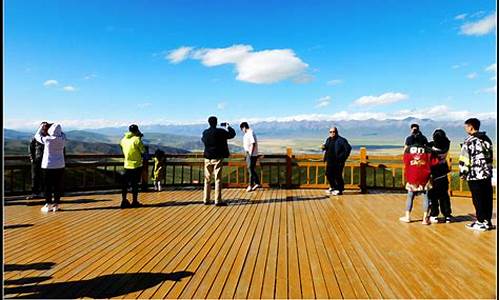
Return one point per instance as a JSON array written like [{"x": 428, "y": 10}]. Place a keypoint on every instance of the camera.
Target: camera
[{"x": 224, "y": 124}]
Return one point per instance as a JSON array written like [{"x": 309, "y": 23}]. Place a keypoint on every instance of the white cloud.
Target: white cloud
[
  {"x": 69, "y": 88},
  {"x": 221, "y": 105},
  {"x": 334, "y": 82},
  {"x": 270, "y": 66},
  {"x": 51, "y": 82},
  {"x": 440, "y": 112},
  {"x": 472, "y": 75},
  {"x": 178, "y": 55},
  {"x": 491, "y": 68},
  {"x": 220, "y": 56},
  {"x": 459, "y": 65},
  {"x": 460, "y": 17},
  {"x": 386, "y": 98},
  {"x": 323, "y": 101},
  {"x": 490, "y": 90},
  {"x": 481, "y": 27},
  {"x": 260, "y": 67},
  {"x": 89, "y": 76},
  {"x": 144, "y": 105},
  {"x": 303, "y": 78}
]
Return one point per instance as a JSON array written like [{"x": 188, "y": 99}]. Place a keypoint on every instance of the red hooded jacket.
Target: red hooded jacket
[{"x": 418, "y": 161}]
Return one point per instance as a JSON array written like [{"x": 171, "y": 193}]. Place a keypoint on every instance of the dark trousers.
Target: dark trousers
[
  {"x": 54, "y": 183},
  {"x": 252, "y": 173},
  {"x": 440, "y": 198},
  {"x": 36, "y": 177},
  {"x": 334, "y": 175},
  {"x": 131, "y": 177},
  {"x": 482, "y": 198},
  {"x": 144, "y": 176}
]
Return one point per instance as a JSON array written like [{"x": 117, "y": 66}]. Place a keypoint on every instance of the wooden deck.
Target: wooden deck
[{"x": 266, "y": 244}]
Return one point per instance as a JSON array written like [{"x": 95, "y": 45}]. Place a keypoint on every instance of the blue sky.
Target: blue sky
[{"x": 104, "y": 63}]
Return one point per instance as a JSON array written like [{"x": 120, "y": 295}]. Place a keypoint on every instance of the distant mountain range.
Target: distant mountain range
[
  {"x": 186, "y": 138},
  {"x": 82, "y": 141},
  {"x": 371, "y": 129}
]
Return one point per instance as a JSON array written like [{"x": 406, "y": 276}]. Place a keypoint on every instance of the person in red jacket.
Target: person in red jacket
[{"x": 417, "y": 160}]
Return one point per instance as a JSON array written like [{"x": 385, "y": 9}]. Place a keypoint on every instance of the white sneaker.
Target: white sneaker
[
  {"x": 46, "y": 208},
  {"x": 405, "y": 219},
  {"x": 477, "y": 226},
  {"x": 255, "y": 187},
  {"x": 328, "y": 192},
  {"x": 335, "y": 192},
  {"x": 249, "y": 188},
  {"x": 434, "y": 220},
  {"x": 159, "y": 186},
  {"x": 55, "y": 207}
]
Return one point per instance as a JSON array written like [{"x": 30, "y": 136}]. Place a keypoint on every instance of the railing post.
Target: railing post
[
  {"x": 288, "y": 167},
  {"x": 362, "y": 169}
]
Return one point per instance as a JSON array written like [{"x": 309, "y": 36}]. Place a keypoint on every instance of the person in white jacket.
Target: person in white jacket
[{"x": 53, "y": 164}]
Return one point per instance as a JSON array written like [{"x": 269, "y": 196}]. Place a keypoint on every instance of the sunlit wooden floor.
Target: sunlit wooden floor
[{"x": 266, "y": 244}]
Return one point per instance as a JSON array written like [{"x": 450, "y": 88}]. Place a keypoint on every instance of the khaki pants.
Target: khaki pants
[{"x": 213, "y": 166}]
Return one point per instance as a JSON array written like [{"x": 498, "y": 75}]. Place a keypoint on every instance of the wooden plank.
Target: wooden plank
[
  {"x": 258, "y": 274},
  {"x": 282, "y": 263},
  {"x": 269, "y": 283},
  {"x": 294, "y": 284},
  {"x": 306, "y": 277},
  {"x": 193, "y": 258},
  {"x": 222, "y": 267},
  {"x": 265, "y": 244},
  {"x": 251, "y": 258}
]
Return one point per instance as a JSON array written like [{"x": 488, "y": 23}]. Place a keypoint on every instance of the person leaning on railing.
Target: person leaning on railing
[
  {"x": 216, "y": 149},
  {"x": 132, "y": 148}
]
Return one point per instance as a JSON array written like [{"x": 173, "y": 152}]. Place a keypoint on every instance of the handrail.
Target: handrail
[{"x": 102, "y": 171}]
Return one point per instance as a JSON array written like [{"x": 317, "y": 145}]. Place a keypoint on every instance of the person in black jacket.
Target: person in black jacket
[
  {"x": 216, "y": 149},
  {"x": 416, "y": 137},
  {"x": 438, "y": 195},
  {"x": 337, "y": 150},
  {"x": 35, "y": 150}
]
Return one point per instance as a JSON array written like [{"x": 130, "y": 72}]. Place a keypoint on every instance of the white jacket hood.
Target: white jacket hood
[{"x": 55, "y": 130}]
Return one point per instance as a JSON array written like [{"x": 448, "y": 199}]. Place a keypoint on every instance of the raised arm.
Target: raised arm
[
  {"x": 230, "y": 132},
  {"x": 38, "y": 135}
]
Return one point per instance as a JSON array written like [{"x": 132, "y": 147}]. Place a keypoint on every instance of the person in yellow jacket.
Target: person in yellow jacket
[{"x": 132, "y": 148}]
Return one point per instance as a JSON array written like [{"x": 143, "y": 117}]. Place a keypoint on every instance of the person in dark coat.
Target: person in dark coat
[
  {"x": 35, "y": 152},
  {"x": 337, "y": 150},
  {"x": 415, "y": 138},
  {"x": 216, "y": 149},
  {"x": 439, "y": 196}
]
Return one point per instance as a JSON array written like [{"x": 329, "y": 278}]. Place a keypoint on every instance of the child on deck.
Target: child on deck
[
  {"x": 159, "y": 169},
  {"x": 417, "y": 160}
]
